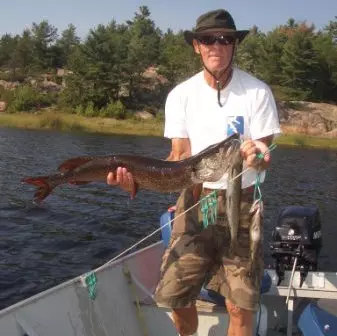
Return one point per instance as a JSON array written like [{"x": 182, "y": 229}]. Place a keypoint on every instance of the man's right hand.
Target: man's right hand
[{"x": 124, "y": 179}]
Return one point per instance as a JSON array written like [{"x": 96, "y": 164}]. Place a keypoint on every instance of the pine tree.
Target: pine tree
[
  {"x": 299, "y": 65},
  {"x": 143, "y": 50}
]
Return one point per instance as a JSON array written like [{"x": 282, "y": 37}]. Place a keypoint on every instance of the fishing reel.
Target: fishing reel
[{"x": 296, "y": 241}]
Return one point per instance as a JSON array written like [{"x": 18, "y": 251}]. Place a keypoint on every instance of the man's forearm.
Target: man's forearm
[{"x": 177, "y": 157}]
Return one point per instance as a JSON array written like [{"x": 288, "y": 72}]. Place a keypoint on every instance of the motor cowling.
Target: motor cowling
[{"x": 297, "y": 235}]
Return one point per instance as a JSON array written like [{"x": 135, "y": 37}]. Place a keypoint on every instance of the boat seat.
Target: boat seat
[
  {"x": 205, "y": 294},
  {"x": 315, "y": 321}
]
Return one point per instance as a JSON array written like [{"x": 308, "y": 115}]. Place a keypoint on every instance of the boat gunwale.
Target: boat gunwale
[{"x": 75, "y": 280}]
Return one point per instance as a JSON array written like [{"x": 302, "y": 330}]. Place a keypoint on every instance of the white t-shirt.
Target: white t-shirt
[{"x": 192, "y": 111}]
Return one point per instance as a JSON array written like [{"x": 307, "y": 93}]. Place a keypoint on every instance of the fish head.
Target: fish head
[
  {"x": 257, "y": 207},
  {"x": 213, "y": 166}
]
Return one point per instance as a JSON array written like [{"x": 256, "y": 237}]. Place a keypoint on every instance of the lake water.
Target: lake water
[{"x": 78, "y": 228}]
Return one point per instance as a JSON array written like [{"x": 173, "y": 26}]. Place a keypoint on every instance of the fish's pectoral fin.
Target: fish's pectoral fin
[
  {"x": 44, "y": 189},
  {"x": 73, "y": 163}
]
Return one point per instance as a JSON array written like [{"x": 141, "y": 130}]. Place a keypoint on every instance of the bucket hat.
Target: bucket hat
[{"x": 218, "y": 20}]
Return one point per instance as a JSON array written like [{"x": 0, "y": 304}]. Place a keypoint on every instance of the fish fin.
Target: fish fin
[
  {"x": 134, "y": 190},
  {"x": 73, "y": 163},
  {"x": 44, "y": 189}
]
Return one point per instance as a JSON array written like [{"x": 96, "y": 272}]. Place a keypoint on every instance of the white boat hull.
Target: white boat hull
[{"x": 123, "y": 305}]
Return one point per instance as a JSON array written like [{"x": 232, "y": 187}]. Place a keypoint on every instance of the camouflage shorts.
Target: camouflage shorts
[{"x": 195, "y": 257}]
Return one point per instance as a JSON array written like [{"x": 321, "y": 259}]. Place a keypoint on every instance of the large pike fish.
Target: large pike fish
[{"x": 148, "y": 173}]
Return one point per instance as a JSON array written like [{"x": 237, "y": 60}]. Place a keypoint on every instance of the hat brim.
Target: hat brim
[{"x": 239, "y": 34}]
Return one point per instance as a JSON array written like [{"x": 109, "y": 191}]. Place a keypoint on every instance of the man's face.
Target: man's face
[{"x": 215, "y": 49}]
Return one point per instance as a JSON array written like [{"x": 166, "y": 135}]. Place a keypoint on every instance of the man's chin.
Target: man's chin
[{"x": 216, "y": 67}]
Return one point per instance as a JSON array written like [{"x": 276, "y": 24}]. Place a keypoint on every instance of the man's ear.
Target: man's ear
[{"x": 196, "y": 46}]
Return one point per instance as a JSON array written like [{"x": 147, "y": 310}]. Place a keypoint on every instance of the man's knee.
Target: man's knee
[
  {"x": 185, "y": 320},
  {"x": 238, "y": 316}
]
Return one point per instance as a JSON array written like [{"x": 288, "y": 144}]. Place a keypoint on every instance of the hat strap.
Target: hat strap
[{"x": 217, "y": 78}]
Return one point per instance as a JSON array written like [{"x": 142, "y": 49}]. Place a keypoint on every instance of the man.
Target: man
[{"x": 201, "y": 111}]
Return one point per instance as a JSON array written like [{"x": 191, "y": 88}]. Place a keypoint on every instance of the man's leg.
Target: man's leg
[
  {"x": 184, "y": 267},
  {"x": 240, "y": 288},
  {"x": 186, "y": 320},
  {"x": 185, "y": 264},
  {"x": 240, "y": 320}
]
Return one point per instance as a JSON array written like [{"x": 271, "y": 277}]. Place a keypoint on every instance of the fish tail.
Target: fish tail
[{"x": 44, "y": 187}]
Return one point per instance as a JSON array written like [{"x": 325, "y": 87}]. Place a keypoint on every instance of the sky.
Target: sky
[{"x": 16, "y": 15}]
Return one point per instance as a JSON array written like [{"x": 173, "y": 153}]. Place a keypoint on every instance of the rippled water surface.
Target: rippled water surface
[{"x": 80, "y": 227}]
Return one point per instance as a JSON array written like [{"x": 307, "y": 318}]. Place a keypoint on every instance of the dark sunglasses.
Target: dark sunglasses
[{"x": 211, "y": 39}]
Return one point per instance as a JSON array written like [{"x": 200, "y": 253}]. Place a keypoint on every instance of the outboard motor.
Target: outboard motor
[{"x": 297, "y": 235}]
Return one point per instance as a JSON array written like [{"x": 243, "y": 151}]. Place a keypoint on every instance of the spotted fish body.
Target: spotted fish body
[
  {"x": 255, "y": 233},
  {"x": 233, "y": 200},
  {"x": 252, "y": 267},
  {"x": 255, "y": 230},
  {"x": 148, "y": 173}
]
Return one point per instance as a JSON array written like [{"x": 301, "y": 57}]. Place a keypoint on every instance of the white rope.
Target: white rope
[
  {"x": 153, "y": 233},
  {"x": 160, "y": 228},
  {"x": 291, "y": 279}
]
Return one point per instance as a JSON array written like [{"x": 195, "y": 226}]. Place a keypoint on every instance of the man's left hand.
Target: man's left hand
[{"x": 249, "y": 150}]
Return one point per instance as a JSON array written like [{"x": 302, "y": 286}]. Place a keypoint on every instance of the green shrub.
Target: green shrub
[
  {"x": 25, "y": 98},
  {"x": 79, "y": 110},
  {"x": 90, "y": 110},
  {"x": 280, "y": 93},
  {"x": 113, "y": 110},
  {"x": 6, "y": 95},
  {"x": 51, "y": 121},
  {"x": 293, "y": 105},
  {"x": 12, "y": 77},
  {"x": 160, "y": 115},
  {"x": 68, "y": 110}
]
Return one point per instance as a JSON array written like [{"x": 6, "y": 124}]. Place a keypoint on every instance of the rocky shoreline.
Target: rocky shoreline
[{"x": 314, "y": 119}]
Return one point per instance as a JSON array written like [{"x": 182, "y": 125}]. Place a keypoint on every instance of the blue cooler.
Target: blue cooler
[{"x": 315, "y": 321}]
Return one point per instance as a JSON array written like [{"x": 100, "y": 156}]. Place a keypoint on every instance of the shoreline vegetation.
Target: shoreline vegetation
[
  {"x": 53, "y": 120},
  {"x": 116, "y": 79}
]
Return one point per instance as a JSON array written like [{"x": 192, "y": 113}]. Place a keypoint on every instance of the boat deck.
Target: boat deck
[{"x": 204, "y": 309}]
